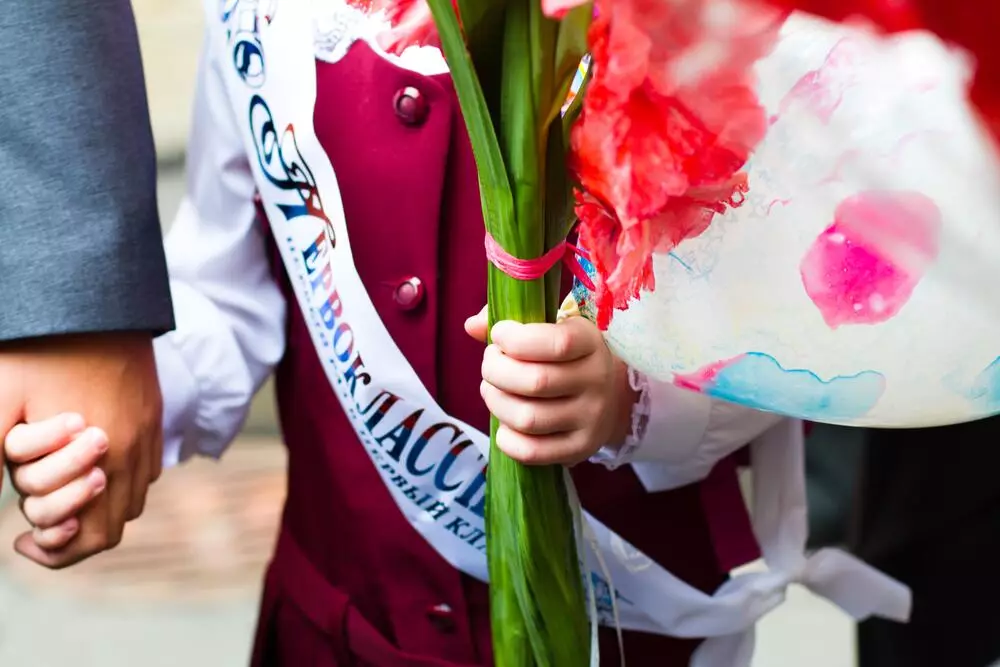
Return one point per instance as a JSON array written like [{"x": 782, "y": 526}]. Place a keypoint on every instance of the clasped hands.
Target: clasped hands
[
  {"x": 79, "y": 486},
  {"x": 557, "y": 390}
]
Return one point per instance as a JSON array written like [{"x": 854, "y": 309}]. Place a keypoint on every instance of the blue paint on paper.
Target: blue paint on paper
[
  {"x": 757, "y": 380},
  {"x": 676, "y": 258},
  {"x": 985, "y": 391}
]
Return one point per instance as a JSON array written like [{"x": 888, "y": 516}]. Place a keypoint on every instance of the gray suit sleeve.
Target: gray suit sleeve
[{"x": 80, "y": 241}]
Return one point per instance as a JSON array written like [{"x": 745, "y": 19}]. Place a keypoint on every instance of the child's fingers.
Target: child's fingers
[
  {"x": 56, "y": 537},
  {"x": 563, "y": 448},
  {"x": 26, "y": 546},
  {"x": 27, "y": 442},
  {"x": 44, "y": 476},
  {"x": 531, "y": 379},
  {"x": 475, "y": 326},
  {"x": 64, "y": 503},
  {"x": 570, "y": 340},
  {"x": 531, "y": 417}
]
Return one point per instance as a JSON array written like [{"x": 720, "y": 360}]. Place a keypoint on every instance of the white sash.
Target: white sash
[{"x": 432, "y": 463}]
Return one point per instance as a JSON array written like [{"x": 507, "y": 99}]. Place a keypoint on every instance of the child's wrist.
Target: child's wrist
[
  {"x": 629, "y": 391},
  {"x": 631, "y": 419}
]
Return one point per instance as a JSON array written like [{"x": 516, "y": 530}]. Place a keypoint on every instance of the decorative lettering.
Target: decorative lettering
[
  {"x": 244, "y": 37},
  {"x": 351, "y": 375},
  {"x": 479, "y": 482},
  {"x": 437, "y": 509},
  {"x": 282, "y": 164},
  {"x": 473, "y": 537},
  {"x": 420, "y": 443},
  {"x": 440, "y": 477},
  {"x": 456, "y": 525},
  {"x": 379, "y": 414},
  {"x": 330, "y": 310},
  {"x": 400, "y": 434},
  {"x": 315, "y": 256},
  {"x": 343, "y": 330},
  {"x": 411, "y": 493}
]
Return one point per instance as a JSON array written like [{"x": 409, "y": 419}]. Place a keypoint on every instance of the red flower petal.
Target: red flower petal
[
  {"x": 602, "y": 234},
  {"x": 412, "y": 24},
  {"x": 669, "y": 119}
]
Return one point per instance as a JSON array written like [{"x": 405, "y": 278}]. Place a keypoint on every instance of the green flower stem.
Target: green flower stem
[{"x": 538, "y": 605}]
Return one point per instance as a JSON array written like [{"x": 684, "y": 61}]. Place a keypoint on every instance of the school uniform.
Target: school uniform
[{"x": 332, "y": 235}]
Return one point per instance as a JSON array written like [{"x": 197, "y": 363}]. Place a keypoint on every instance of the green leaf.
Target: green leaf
[
  {"x": 495, "y": 192},
  {"x": 519, "y": 134},
  {"x": 483, "y": 26},
  {"x": 477, "y": 16},
  {"x": 538, "y": 605}
]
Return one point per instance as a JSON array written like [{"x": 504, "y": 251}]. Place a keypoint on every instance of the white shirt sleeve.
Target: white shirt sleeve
[
  {"x": 230, "y": 313},
  {"x": 678, "y": 435}
]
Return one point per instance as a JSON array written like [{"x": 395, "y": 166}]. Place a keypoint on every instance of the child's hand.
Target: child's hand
[
  {"x": 53, "y": 467},
  {"x": 558, "y": 391}
]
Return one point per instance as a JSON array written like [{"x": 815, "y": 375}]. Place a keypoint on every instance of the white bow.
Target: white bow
[{"x": 781, "y": 526}]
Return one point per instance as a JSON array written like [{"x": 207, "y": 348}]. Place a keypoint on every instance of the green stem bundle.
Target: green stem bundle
[{"x": 538, "y": 604}]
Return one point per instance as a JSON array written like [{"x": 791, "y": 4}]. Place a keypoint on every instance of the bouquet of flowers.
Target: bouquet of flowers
[
  {"x": 853, "y": 284},
  {"x": 652, "y": 149}
]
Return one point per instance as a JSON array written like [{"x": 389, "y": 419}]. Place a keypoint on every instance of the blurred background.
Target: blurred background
[{"x": 182, "y": 587}]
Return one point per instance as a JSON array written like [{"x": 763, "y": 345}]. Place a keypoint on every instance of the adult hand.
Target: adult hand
[{"x": 110, "y": 379}]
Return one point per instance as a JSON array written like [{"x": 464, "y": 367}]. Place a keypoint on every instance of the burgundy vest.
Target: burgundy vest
[{"x": 352, "y": 582}]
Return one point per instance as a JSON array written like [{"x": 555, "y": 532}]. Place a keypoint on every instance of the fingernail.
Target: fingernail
[
  {"x": 97, "y": 481},
  {"x": 74, "y": 423},
  {"x": 100, "y": 440}
]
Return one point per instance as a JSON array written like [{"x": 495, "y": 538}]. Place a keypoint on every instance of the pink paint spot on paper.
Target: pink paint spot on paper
[
  {"x": 777, "y": 202},
  {"x": 821, "y": 91},
  {"x": 863, "y": 268},
  {"x": 855, "y": 161},
  {"x": 704, "y": 377}
]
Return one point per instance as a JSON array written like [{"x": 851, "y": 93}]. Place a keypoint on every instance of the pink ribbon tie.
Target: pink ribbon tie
[{"x": 533, "y": 269}]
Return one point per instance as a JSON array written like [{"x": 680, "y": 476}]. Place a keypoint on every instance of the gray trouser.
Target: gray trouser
[{"x": 929, "y": 515}]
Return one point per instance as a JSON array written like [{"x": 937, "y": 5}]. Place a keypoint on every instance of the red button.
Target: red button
[
  {"x": 409, "y": 293},
  {"x": 442, "y": 617},
  {"x": 411, "y": 106}
]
